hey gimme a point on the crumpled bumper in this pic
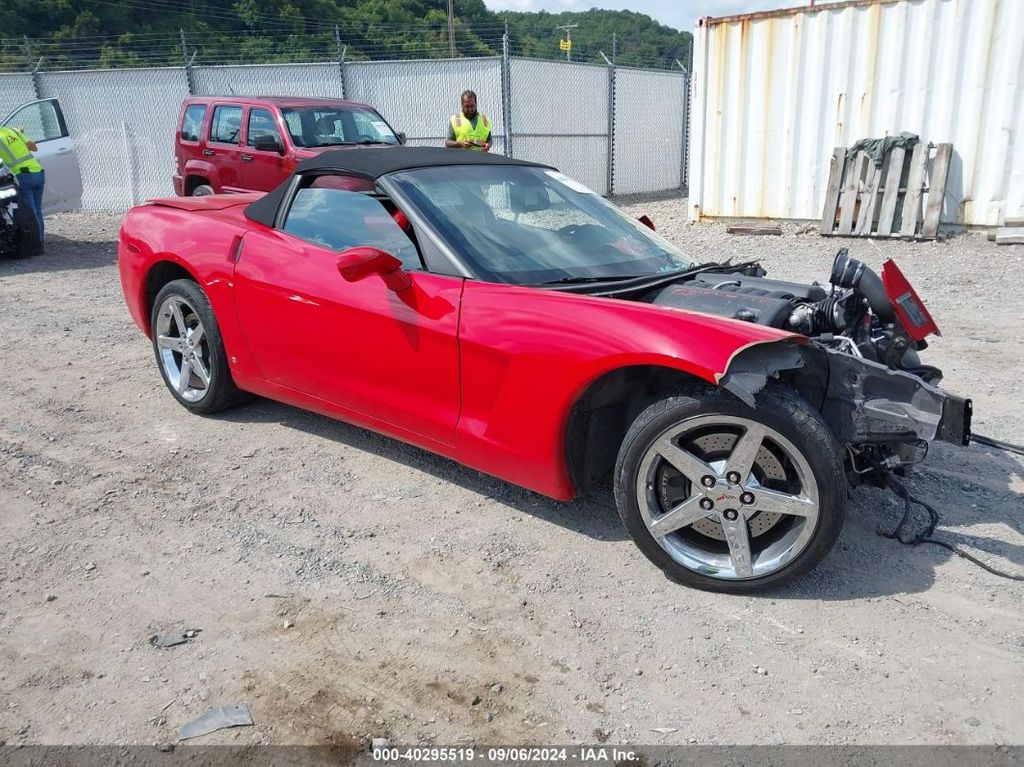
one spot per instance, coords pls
(866, 402)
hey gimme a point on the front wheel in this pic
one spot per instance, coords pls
(728, 498)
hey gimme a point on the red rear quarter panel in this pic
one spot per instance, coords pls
(528, 355)
(199, 234)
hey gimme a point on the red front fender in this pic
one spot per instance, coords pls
(528, 355)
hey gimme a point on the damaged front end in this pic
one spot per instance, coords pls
(858, 364)
(868, 403)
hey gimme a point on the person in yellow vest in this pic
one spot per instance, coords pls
(469, 129)
(16, 153)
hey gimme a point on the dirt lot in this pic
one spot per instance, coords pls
(349, 586)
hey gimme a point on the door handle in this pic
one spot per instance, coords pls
(208, 153)
(246, 157)
(65, 150)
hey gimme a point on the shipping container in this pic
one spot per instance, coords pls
(774, 92)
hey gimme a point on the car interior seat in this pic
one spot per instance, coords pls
(327, 126)
(232, 126)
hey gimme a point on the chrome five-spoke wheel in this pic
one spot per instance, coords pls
(731, 497)
(727, 497)
(183, 349)
(190, 350)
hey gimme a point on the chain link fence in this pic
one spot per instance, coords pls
(313, 80)
(617, 130)
(15, 89)
(650, 129)
(419, 97)
(123, 122)
(560, 117)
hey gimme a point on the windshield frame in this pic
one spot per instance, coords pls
(463, 259)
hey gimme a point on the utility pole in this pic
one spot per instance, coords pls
(341, 57)
(189, 80)
(451, 27)
(568, 38)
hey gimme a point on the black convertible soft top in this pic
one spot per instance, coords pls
(372, 163)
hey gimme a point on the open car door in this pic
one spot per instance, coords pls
(43, 122)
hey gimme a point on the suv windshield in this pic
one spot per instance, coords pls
(525, 225)
(333, 126)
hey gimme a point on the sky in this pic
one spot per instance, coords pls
(675, 13)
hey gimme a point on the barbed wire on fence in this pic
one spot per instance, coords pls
(318, 42)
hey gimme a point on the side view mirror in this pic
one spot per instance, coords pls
(358, 263)
(267, 143)
(646, 221)
(401, 137)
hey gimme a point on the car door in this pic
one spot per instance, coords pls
(192, 169)
(392, 357)
(43, 122)
(260, 170)
(223, 145)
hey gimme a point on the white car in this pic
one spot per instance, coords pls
(43, 122)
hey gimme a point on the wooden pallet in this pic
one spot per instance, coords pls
(902, 197)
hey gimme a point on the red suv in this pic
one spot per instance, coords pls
(237, 144)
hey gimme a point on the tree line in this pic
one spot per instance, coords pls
(116, 33)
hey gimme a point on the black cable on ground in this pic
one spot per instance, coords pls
(925, 536)
(1009, 447)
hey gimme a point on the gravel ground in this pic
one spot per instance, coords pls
(349, 586)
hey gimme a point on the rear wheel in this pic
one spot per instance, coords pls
(189, 350)
(202, 190)
(728, 498)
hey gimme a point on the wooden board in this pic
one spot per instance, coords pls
(754, 229)
(851, 193)
(915, 185)
(868, 202)
(835, 178)
(1010, 235)
(893, 179)
(936, 190)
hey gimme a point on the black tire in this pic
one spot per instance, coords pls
(202, 190)
(221, 393)
(25, 238)
(778, 408)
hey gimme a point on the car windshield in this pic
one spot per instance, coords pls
(526, 226)
(335, 126)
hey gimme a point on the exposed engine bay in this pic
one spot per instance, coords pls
(862, 366)
(855, 314)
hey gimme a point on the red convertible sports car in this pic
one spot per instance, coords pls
(497, 312)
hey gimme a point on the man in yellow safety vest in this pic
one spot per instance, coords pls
(469, 129)
(16, 153)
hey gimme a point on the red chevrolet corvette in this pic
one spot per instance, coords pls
(501, 314)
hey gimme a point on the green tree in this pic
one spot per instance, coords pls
(140, 32)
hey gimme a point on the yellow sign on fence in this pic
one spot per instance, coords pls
(565, 45)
